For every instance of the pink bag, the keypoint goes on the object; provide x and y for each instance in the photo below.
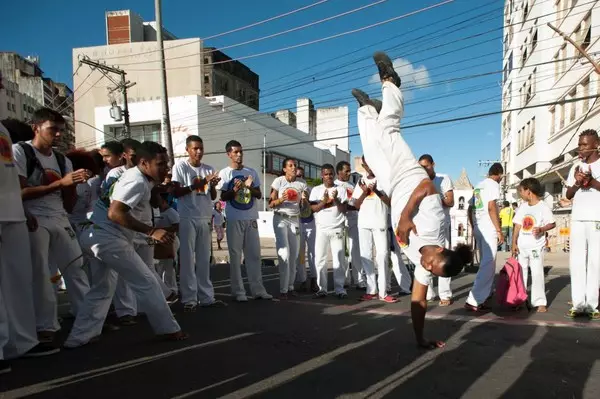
(510, 288)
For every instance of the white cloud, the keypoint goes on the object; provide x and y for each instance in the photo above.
(411, 75)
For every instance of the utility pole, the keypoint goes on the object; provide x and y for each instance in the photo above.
(166, 122)
(121, 85)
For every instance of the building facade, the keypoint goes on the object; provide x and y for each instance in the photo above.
(540, 67)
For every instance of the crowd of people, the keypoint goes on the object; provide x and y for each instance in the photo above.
(118, 225)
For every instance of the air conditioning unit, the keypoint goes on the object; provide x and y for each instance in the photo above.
(116, 113)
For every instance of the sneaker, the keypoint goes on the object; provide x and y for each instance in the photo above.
(263, 295)
(127, 320)
(320, 294)
(5, 367)
(173, 298)
(190, 307)
(241, 298)
(364, 99)
(342, 295)
(386, 68)
(388, 299)
(215, 304)
(314, 287)
(109, 327)
(367, 297)
(42, 349)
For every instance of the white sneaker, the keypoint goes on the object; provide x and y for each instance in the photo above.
(263, 295)
(241, 298)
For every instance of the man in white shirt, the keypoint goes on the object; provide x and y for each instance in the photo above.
(109, 242)
(443, 185)
(416, 206)
(195, 184)
(584, 190)
(372, 206)
(485, 219)
(308, 231)
(343, 171)
(328, 202)
(17, 316)
(48, 185)
(240, 188)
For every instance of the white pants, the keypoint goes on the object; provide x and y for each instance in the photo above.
(194, 265)
(353, 254)
(166, 270)
(308, 232)
(444, 289)
(534, 259)
(112, 254)
(585, 237)
(487, 242)
(55, 241)
(325, 240)
(379, 238)
(243, 238)
(287, 240)
(17, 315)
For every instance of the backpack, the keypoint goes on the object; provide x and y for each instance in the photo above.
(35, 167)
(510, 288)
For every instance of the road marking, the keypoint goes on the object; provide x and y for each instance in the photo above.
(191, 393)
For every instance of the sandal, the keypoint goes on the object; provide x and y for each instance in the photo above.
(176, 336)
(542, 309)
(445, 302)
(431, 344)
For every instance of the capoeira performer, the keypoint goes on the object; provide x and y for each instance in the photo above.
(308, 234)
(110, 244)
(195, 187)
(240, 187)
(287, 195)
(416, 207)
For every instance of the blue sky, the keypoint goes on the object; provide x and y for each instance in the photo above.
(433, 48)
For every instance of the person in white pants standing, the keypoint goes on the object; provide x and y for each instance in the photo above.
(353, 266)
(17, 317)
(445, 188)
(240, 188)
(485, 220)
(531, 222)
(167, 219)
(48, 186)
(288, 194)
(195, 184)
(372, 206)
(109, 242)
(306, 254)
(399, 268)
(416, 207)
(584, 189)
(329, 202)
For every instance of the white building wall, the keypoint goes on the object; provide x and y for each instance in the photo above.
(332, 123)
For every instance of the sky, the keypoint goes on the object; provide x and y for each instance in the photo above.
(436, 53)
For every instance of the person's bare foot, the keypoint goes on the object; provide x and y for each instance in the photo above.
(425, 344)
(542, 309)
(176, 336)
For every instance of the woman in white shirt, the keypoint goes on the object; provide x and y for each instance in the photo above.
(286, 195)
(531, 222)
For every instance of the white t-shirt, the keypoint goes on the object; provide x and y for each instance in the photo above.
(10, 188)
(217, 218)
(100, 207)
(485, 192)
(83, 205)
(373, 213)
(352, 216)
(243, 206)
(330, 217)
(586, 200)
(166, 218)
(294, 191)
(132, 189)
(443, 184)
(196, 205)
(529, 217)
(50, 204)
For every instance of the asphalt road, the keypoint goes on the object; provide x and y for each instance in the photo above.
(330, 348)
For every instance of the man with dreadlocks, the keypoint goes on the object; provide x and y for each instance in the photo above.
(584, 189)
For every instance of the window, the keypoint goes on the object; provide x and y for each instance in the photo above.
(585, 92)
(524, 52)
(534, 40)
(510, 63)
(14, 108)
(521, 98)
(506, 126)
(573, 105)
(508, 96)
(584, 32)
(531, 138)
(206, 78)
(525, 10)
(206, 60)
(556, 66)
(552, 121)
(8, 106)
(508, 152)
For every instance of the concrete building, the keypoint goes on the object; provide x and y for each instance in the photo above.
(329, 125)
(220, 119)
(541, 68)
(192, 69)
(460, 230)
(26, 89)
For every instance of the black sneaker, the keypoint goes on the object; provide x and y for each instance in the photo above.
(127, 321)
(363, 99)
(5, 367)
(386, 68)
(42, 349)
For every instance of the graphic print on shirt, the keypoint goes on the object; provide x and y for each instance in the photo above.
(200, 190)
(528, 223)
(243, 199)
(292, 195)
(477, 200)
(50, 176)
(6, 154)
